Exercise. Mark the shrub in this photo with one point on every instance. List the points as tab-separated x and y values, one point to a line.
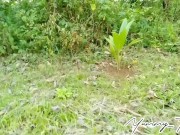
63	26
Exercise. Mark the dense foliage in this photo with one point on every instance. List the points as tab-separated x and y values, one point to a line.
54	26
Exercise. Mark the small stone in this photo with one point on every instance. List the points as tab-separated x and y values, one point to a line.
56	108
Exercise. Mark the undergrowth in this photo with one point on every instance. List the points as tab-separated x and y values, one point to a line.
70	27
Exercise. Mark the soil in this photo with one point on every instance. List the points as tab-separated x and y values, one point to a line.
111	70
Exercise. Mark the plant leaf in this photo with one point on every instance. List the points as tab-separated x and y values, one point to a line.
123	25
93	7
134	41
110	40
112	51
129	25
119	40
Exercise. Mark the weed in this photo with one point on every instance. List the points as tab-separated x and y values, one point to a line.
64	93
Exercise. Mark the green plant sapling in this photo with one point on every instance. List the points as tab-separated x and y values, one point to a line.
118	40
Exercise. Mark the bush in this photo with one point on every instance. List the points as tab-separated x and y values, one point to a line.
63	26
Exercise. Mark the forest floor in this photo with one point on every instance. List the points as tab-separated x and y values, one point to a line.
87	95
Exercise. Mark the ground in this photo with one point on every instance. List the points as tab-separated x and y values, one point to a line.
87	95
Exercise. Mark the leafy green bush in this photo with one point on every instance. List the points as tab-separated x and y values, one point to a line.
63	26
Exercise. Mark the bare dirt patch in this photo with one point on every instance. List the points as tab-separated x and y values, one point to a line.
111	70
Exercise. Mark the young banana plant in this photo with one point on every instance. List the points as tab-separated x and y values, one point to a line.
118	40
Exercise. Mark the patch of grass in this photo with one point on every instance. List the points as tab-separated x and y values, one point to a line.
95	102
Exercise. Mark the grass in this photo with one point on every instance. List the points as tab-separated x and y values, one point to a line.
41	95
